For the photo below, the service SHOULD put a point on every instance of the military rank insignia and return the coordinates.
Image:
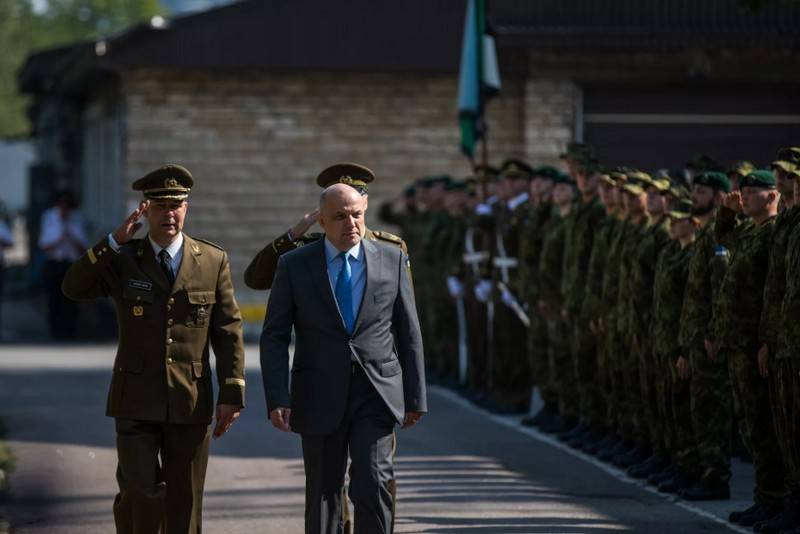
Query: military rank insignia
(138, 311)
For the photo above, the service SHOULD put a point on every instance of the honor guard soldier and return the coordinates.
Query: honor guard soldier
(174, 298)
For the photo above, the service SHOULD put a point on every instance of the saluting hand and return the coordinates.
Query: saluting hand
(733, 201)
(299, 230)
(226, 415)
(125, 233)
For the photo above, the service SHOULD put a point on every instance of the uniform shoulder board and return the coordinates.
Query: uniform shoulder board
(386, 236)
(209, 243)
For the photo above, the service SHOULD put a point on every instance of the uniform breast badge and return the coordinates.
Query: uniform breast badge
(138, 311)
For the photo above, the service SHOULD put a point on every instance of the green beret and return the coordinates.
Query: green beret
(352, 174)
(759, 178)
(168, 182)
(681, 209)
(546, 171)
(516, 169)
(560, 177)
(714, 179)
(578, 152)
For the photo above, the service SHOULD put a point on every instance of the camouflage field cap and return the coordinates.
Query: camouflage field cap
(637, 183)
(788, 159)
(682, 209)
(171, 182)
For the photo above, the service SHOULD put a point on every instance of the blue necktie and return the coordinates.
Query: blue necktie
(344, 293)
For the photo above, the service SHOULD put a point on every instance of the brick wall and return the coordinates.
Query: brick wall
(256, 141)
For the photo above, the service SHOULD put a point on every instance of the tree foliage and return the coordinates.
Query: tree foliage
(27, 26)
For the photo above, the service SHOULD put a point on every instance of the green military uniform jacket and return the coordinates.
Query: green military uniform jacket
(592, 306)
(775, 284)
(162, 371)
(656, 237)
(579, 236)
(261, 271)
(789, 344)
(737, 311)
(671, 272)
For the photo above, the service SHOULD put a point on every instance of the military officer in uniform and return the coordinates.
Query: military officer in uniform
(261, 271)
(174, 297)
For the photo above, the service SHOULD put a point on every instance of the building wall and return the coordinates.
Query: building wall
(255, 141)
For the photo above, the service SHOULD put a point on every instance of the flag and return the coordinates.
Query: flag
(479, 78)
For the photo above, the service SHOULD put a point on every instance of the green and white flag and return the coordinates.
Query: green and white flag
(479, 79)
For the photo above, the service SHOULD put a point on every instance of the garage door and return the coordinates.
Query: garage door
(663, 127)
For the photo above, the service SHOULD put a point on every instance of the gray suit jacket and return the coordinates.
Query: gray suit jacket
(386, 339)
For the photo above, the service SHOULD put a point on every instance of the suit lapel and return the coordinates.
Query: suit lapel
(189, 263)
(149, 264)
(318, 265)
(372, 264)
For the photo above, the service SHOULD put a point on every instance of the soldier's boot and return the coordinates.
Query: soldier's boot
(590, 436)
(623, 447)
(676, 483)
(574, 432)
(634, 456)
(654, 464)
(789, 519)
(658, 478)
(609, 440)
(707, 490)
(760, 515)
(736, 515)
(544, 417)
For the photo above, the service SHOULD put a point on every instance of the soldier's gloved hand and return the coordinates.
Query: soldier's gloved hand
(455, 287)
(508, 298)
(483, 290)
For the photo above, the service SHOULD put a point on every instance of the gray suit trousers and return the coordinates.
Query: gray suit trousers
(367, 433)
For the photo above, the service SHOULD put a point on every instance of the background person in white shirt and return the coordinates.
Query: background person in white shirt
(62, 238)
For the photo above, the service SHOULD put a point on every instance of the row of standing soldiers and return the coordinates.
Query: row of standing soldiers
(648, 315)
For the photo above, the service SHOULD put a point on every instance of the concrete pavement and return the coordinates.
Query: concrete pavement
(461, 470)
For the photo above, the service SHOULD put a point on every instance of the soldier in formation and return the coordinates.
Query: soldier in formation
(647, 319)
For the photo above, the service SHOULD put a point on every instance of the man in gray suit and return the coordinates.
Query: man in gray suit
(358, 364)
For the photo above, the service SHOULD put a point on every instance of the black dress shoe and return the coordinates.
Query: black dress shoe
(760, 515)
(706, 491)
(734, 516)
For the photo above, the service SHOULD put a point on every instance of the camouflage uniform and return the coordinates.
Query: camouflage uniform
(656, 237)
(530, 252)
(784, 372)
(672, 392)
(736, 319)
(710, 391)
(591, 309)
(633, 429)
(613, 345)
(450, 244)
(559, 359)
(579, 237)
